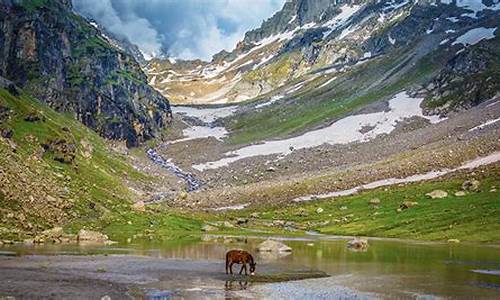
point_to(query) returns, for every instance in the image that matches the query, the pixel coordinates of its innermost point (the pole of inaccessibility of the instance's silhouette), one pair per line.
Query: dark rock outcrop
(64, 61)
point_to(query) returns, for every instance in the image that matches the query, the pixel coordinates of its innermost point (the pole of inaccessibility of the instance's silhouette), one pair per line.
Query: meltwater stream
(192, 182)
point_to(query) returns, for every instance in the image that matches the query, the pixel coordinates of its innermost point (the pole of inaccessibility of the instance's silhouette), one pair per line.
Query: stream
(192, 182)
(206, 117)
(194, 268)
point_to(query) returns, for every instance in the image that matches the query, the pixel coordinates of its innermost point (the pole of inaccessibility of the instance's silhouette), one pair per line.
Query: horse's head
(252, 268)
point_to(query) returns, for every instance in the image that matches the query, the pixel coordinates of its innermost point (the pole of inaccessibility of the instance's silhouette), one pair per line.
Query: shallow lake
(388, 269)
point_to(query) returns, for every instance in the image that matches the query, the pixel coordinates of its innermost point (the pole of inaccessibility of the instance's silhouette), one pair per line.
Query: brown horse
(240, 257)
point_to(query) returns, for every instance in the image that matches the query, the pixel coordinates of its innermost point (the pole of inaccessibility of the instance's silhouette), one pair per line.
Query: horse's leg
(231, 267)
(227, 265)
(243, 266)
(245, 269)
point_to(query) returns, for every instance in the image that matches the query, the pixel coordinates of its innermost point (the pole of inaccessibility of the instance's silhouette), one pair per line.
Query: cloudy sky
(184, 29)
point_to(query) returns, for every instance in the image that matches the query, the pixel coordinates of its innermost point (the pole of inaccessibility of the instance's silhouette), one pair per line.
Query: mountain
(64, 61)
(309, 40)
(119, 42)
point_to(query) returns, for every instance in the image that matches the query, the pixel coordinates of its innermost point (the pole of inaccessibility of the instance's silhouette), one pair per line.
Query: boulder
(273, 246)
(406, 205)
(228, 224)
(471, 185)
(139, 206)
(87, 148)
(32, 117)
(241, 221)
(53, 233)
(278, 223)
(320, 210)
(6, 133)
(208, 228)
(460, 193)
(374, 201)
(437, 194)
(357, 244)
(255, 215)
(92, 236)
(63, 150)
(453, 241)
(13, 145)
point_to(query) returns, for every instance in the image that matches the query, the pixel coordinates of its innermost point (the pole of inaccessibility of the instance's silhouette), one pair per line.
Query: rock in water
(453, 241)
(357, 244)
(92, 236)
(471, 185)
(273, 246)
(437, 194)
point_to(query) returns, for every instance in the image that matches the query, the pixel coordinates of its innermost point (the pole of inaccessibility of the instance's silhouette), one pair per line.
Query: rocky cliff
(64, 61)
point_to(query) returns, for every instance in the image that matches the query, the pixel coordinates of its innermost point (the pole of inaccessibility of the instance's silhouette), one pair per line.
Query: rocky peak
(293, 14)
(61, 59)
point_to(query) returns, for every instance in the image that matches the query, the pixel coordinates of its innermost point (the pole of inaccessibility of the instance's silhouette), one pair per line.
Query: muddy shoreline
(120, 276)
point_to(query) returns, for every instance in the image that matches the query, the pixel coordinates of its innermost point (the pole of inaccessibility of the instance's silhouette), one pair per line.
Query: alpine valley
(374, 118)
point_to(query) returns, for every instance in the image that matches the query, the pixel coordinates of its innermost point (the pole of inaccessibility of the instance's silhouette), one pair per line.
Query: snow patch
(207, 115)
(444, 41)
(232, 207)
(343, 131)
(327, 82)
(485, 124)
(271, 101)
(391, 40)
(475, 35)
(201, 132)
(347, 11)
(476, 6)
(481, 161)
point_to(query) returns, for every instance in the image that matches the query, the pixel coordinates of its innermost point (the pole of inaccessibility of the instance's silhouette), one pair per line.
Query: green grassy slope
(38, 192)
(473, 217)
(363, 84)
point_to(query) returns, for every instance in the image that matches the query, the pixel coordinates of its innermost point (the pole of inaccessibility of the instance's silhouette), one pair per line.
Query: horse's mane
(251, 258)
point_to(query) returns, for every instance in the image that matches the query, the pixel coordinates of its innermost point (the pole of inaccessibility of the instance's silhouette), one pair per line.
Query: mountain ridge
(305, 38)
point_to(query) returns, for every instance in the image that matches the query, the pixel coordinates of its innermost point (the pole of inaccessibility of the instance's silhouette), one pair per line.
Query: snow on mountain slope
(357, 128)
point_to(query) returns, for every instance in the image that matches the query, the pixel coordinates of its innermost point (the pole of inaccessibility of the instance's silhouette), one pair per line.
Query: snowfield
(475, 35)
(207, 115)
(357, 128)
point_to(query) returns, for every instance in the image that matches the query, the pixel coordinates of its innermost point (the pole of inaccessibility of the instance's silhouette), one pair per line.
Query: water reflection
(236, 285)
(386, 267)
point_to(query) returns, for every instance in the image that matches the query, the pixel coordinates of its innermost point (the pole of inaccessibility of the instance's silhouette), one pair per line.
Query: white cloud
(188, 29)
(137, 30)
